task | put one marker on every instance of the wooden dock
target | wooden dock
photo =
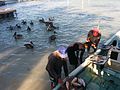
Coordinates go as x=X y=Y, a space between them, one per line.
x=5 y=13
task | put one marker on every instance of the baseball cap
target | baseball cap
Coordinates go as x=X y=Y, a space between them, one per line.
x=95 y=31
x=62 y=51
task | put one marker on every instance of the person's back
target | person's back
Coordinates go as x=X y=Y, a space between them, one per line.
x=56 y=61
x=72 y=52
x=54 y=66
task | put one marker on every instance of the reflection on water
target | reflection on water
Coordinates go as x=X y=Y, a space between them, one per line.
x=73 y=17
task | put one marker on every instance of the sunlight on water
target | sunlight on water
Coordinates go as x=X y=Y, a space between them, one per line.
x=73 y=17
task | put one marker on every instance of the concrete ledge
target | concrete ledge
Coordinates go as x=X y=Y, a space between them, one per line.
x=2 y=2
x=5 y=13
x=7 y=10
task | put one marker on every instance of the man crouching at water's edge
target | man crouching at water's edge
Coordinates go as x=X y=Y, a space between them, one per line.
x=57 y=60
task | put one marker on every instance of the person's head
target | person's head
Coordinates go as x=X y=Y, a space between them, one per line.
x=76 y=46
x=96 y=31
x=62 y=52
x=81 y=46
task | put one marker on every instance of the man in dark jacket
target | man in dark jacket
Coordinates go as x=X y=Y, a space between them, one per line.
x=73 y=53
x=81 y=52
x=56 y=61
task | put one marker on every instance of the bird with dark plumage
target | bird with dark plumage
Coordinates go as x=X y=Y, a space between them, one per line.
x=29 y=45
x=52 y=38
x=24 y=22
x=28 y=28
x=18 y=26
x=55 y=32
x=17 y=36
x=31 y=22
x=47 y=23
x=10 y=27
x=49 y=28
x=41 y=20
x=51 y=18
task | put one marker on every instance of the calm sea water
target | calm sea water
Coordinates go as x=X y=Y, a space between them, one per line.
x=73 y=17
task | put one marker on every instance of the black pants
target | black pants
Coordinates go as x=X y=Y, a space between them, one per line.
x=89 y=44
x=65 y=68
x=81 y=55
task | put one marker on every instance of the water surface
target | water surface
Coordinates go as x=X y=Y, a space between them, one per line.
x=74 y=19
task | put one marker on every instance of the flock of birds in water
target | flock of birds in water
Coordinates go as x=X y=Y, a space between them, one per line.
x=49 y=26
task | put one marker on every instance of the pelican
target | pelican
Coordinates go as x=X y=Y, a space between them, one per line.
x=31 y=22
x=52 y=38
x=17 y=36
x=29 y=45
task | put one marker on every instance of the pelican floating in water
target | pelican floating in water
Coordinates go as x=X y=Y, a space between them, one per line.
x=52 y=38
x=29 y=45
x=17 y=36
x=31 y=22
x=28 y=28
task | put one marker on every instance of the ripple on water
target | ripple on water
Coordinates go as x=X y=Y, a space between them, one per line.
x=73 y=24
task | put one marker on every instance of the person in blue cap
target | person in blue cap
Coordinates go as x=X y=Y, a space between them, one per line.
x=57 y=60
